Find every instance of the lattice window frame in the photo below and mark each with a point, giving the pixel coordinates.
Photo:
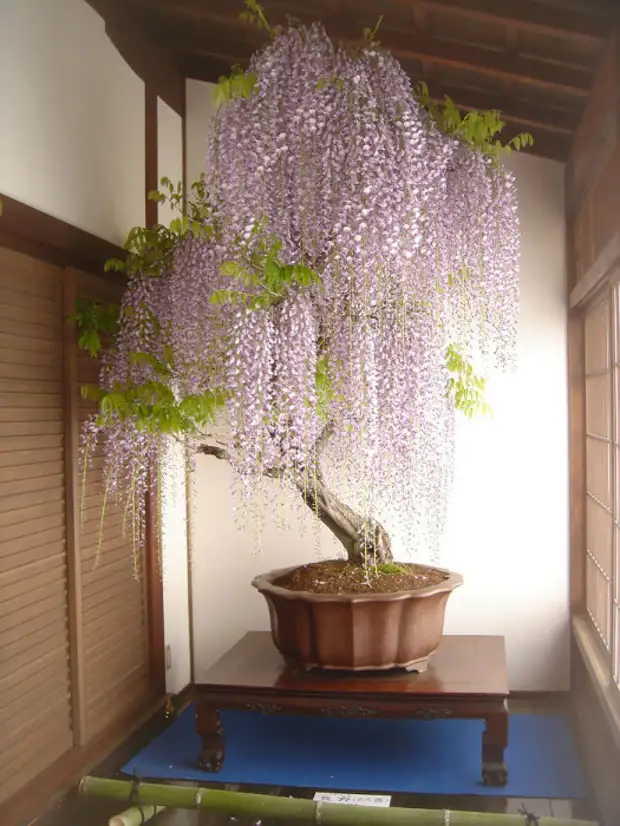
(605, 612)
(615, 404)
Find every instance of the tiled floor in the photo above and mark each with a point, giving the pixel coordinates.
(74, 810)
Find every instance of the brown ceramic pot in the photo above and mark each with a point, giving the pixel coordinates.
(356, 632)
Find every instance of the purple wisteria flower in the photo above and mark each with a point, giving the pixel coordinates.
(414, 238)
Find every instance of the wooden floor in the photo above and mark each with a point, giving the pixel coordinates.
(74, 810)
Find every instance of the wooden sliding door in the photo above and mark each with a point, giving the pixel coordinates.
(35, 678)
(113, 594)
(75, 650)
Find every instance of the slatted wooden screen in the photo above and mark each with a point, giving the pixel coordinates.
(113, 600)
(74, 644)
(35, 699)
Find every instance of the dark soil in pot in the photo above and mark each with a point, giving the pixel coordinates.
(337, 576)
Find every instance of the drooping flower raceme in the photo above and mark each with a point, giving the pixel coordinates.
(413, 241)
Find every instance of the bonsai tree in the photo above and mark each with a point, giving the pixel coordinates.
(350, 253)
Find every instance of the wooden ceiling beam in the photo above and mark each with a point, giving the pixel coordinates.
(513, 109)
(149, 60)
(553, 128)
(216, 17)
(404, 46)
(526, 15)
(225, 11)
(590, 24)
(516, 68)
(203, 66)
(587, 26)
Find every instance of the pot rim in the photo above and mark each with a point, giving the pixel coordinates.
(265, 584)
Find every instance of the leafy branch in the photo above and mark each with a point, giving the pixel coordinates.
(152, 407)
(150, 248)
(325, 392)
(371, 34)
(259, 279)
(466, 388)
(94, 320)
(264, 279)
(255, 14)
(237, 84)
(479, 130)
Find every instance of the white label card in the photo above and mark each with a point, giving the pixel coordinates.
(382, 801)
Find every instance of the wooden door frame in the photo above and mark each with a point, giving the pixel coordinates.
(154, 561)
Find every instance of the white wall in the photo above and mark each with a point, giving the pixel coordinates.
(199, 111)
(508, 523)
(72, 130)
(175, 570)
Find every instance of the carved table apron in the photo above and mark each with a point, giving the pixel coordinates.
(253, 677)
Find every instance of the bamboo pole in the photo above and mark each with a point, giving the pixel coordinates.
(135, 817)
(257, 806)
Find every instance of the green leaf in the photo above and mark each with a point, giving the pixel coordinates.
(94, 319)
(465, 387)
(272, 272)
(305, 276)
(114, 264)
(478, 130)
(158, 366)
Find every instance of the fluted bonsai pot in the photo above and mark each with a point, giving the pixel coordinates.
(356, 632)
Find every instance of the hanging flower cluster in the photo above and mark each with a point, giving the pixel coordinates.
(349, 253)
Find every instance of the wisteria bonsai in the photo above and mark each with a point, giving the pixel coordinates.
(351, 251)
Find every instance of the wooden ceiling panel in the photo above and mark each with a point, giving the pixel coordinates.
(471, 30)
(461, 78)
(498, 63)
(205, 39)
(555, 50)
(585, 22)
(532, 59)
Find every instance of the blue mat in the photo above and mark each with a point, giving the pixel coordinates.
(370, 755)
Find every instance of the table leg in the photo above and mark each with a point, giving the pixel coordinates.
(213, 747)
(494, 741)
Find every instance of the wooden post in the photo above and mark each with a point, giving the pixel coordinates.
(151, 173)
(72, 507)
(152, 551)
(577, 460)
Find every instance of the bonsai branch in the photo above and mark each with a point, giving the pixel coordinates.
(365, 541)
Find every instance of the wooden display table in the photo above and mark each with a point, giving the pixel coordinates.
(466, 678)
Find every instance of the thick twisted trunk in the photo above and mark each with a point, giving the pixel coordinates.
(365, 542)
